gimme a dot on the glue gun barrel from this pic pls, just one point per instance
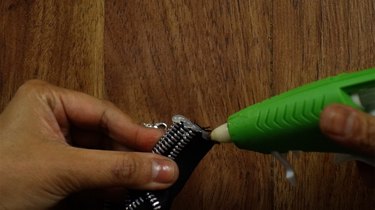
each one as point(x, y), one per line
point(290, 121)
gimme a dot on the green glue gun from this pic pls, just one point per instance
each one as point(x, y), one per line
point(290, 121)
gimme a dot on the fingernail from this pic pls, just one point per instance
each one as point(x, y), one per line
point(340, 122)
point(163, 171)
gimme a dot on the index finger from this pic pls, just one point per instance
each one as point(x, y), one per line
point(85, 111)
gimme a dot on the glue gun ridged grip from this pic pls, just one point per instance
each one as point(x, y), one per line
point(290, 121)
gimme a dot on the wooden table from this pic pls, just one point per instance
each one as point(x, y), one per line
point(205, 60)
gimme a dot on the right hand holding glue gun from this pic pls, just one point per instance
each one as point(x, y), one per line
point(329, 115)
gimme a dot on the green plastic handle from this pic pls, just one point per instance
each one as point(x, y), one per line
point(290, 121)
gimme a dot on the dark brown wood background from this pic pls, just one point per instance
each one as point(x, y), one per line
point(205, 60)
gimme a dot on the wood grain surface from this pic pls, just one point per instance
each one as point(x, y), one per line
point(57, 41)
point(205, 60)
point(208, 59)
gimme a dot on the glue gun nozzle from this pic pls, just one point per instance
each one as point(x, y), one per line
point(221, 134)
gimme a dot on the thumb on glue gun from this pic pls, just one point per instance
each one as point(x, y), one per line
point(350, 128)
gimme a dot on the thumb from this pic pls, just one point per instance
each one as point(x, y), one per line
point(99, 169)
point(350, 128)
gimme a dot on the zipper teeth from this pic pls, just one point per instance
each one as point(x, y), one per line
point(168, 140)
point(181, 144)
point(156, 205)
point(149, 197)
point(173, 142)
point(170, 145)
point(135, 204)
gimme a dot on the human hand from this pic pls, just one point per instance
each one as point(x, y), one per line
point(38, 164)
point(350, 128)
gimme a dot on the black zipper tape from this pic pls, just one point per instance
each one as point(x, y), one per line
point(184, 142)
